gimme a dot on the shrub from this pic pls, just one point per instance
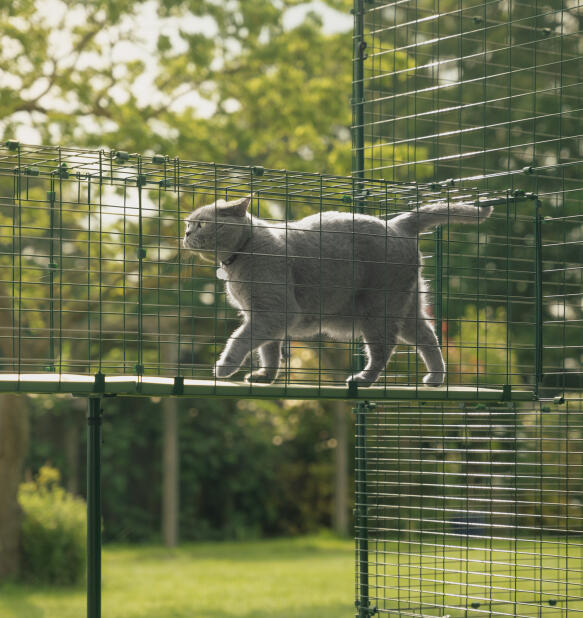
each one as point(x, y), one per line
point(53, 531)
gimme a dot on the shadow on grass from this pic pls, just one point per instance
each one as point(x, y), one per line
point(14, 603)
point(20, 608)
point(333, 610)
point(246, 551)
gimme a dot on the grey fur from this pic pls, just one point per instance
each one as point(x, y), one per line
point(337, 274)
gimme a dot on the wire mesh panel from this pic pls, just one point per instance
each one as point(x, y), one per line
point(475, 511)
point(562, 304)
point(474, 90)
point(486, 93)
point(96, 278)
point(468, 510)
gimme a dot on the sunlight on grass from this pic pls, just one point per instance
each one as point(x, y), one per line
point(307, 577)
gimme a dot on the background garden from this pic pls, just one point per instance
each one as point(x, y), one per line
point(239, 82)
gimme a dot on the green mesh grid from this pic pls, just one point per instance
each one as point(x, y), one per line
point(94, 281)
point(485, 94)
point(470, 510)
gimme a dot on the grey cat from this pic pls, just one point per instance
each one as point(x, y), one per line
point(337, 274)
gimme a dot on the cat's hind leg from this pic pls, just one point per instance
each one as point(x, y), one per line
point(379, 343)
point(270, 357)
point(419, 332)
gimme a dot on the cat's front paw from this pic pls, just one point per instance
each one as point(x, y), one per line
point(224, 370)
point(261, 376)
point(434, 379)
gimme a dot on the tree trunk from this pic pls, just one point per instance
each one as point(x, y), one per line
point(13, 450)
point(72, 445)
point(341, 410)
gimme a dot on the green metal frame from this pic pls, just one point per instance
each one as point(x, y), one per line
point(94, 420)
point(143, 386)
point(361, 527)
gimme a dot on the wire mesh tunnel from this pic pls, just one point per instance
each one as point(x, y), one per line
point(462, 509)
point(96, 282)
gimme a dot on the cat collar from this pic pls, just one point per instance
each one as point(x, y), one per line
point(234, 256)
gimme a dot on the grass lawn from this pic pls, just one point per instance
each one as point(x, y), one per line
point(308, 577)
point(444, 576)
point(312, 577)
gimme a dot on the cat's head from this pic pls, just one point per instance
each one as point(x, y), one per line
point(221, 226)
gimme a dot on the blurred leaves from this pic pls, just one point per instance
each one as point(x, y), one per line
point(211, 81)
point(247, 468)
point(53, 531)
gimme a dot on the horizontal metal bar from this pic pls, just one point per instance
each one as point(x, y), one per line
point(77, 384)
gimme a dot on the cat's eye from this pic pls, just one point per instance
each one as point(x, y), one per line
point(193, 226)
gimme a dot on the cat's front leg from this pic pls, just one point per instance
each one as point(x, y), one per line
point(239, 346)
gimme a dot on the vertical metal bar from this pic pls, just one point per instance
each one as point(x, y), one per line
point(178, 369)
point(51, 196)
point(361, 512)
point(94, 508)
point(100, 338)
point(538, 297)
point(357, 102)
point(359, 45)
point(438, 301)
point(19, 304)
point(141, 255)
point(62, 174)
point(15, 252)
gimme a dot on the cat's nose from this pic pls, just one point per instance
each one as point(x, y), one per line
point(187, 233)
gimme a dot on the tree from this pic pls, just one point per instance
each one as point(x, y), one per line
point(225, 82)
point(13, 446)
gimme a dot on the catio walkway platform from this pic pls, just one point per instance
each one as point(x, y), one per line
point(94, 280)
point(142, 386)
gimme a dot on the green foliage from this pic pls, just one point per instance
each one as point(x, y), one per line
point(263, 468)
point(53, 531)
point(478, 352)
point(232, 82)
point(247, 469)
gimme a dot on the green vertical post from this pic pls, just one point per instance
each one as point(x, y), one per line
point(357, 102)
point(362, 603)
point(438, 282)
point(139, 367)
point(358, 56)
point(51, 196)
point(538, 297)
point(94, 508)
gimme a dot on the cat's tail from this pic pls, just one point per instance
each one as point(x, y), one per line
point(426, 217)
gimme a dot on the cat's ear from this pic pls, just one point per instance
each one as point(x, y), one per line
point(236, 208)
